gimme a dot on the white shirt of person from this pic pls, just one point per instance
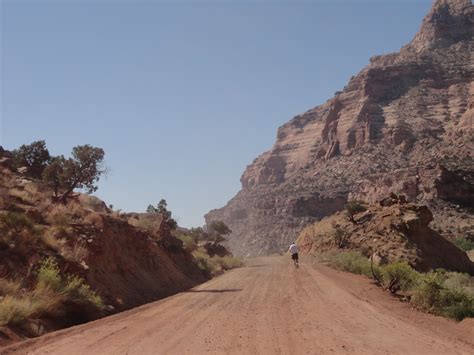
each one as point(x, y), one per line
point(293, 249)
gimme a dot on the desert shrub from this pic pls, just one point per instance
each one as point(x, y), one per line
point(427, 293)
point(340, 236)
point(352, 208)
point(464, 243)
point(231, 262)
point(203, 261)
point(450, 294)
point(78, 291)
point(189, 243)
point(226, 262)
point(457, 304)
point(460, 280)
point(72, 287)
point(399, 277)
point(351, 261)
point(216, 264)
point(435, 295)
point(52, 296)
point(49, 277)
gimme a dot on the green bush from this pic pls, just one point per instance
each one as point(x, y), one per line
point(351, 261)
point(78, 291)
point(460, 280)
point(450, 294)
point(49, 277)
point(427, 294)
point(457, 304)
point(399, 277)
point(464, 243)
point(203, 261)
point(437, 295)
point(72, 287)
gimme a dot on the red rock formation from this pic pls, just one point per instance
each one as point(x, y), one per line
point(392, 230)
point(390, 128)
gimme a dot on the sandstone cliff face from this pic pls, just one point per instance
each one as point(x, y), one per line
point(405, 124)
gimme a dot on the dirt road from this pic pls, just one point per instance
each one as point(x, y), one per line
point(267, 307)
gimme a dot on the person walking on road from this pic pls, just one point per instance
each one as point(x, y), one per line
point(294, 253)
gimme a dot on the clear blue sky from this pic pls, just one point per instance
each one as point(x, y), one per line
point(182, 96)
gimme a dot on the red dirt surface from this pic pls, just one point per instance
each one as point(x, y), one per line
point(267, 307)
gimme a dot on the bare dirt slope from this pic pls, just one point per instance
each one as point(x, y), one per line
point(267, 308)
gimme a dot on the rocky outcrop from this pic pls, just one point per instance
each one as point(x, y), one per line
point(393, 127)
point(391, 231)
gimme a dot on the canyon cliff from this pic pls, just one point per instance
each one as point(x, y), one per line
point(404, 124)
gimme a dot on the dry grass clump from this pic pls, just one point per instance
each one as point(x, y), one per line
point(17, 231)
point(9, 287)
point(95, 220)
point(350, 261)
point(14, 310)
point(77, 253)
point(228, 262)
point(58, 215)
point(52, 296)
point(216, 264)
point(53, 240)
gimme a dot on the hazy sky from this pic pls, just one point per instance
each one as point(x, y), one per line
point(181, 95)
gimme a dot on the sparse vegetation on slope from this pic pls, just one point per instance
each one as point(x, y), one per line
point(53, 295)
point(204, 244)
point(61, 262)
point(450, 294)
point(216, 264)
